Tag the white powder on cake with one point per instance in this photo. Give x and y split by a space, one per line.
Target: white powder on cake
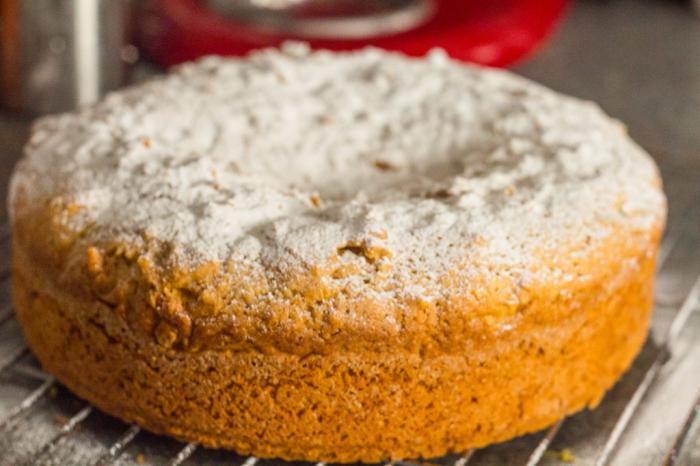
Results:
279 159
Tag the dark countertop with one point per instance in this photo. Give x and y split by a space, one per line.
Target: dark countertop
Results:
640 60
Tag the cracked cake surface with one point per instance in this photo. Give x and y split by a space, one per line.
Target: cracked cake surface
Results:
288 157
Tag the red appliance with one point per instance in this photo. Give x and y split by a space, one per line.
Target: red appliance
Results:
493 33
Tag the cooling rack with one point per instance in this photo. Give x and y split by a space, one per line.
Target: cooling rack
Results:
651 417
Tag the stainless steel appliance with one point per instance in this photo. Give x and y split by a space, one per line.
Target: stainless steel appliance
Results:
58 54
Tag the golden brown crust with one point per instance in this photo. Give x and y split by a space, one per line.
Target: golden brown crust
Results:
148 344
302 311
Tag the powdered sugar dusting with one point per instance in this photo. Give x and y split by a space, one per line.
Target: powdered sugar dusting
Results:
287 157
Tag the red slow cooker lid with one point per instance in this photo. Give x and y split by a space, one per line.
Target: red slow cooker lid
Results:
493 33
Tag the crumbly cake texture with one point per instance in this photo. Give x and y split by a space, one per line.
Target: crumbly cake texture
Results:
336 256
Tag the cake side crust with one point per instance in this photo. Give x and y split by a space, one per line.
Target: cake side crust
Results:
346 405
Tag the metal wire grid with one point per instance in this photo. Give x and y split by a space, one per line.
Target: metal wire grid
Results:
44 424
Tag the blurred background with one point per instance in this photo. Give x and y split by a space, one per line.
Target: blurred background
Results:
639 59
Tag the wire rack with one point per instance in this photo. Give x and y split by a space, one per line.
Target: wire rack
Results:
651 417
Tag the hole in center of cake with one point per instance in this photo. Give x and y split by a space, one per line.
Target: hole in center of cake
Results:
374 177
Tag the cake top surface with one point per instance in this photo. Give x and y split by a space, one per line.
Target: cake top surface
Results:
291 158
